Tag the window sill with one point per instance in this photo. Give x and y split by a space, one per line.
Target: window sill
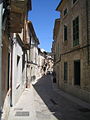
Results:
64 16
76 47
65 42
65 82
77 86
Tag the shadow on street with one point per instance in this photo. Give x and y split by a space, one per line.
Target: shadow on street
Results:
62 108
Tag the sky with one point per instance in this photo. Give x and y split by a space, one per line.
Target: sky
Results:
43 15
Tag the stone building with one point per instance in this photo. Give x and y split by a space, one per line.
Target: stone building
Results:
45 62
33 54
71 47
41 62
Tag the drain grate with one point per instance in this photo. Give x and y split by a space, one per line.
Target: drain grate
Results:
84 110
18 108
23 113
53 101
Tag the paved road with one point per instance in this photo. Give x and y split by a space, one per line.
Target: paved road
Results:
61 107
43 101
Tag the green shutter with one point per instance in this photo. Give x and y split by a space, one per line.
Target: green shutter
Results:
76 31
65 32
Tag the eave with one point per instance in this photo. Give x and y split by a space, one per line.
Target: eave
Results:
16 22
61 4
18 11
22 44
31 28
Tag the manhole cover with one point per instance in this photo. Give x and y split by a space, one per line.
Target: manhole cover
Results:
23 113
84 110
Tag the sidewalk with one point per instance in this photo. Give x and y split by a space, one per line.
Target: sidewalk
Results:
31 107
24 109
71 97
44 101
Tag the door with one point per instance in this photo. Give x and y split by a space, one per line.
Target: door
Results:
77 72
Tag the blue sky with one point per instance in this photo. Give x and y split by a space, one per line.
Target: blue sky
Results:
43 15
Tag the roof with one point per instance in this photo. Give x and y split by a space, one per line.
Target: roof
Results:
30 25
59 5
29 4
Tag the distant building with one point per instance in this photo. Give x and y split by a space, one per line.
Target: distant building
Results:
33 54
41 62
71 48
45 62
49 59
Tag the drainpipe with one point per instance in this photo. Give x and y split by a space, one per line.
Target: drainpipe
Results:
87 33
26 69
11 71
1 13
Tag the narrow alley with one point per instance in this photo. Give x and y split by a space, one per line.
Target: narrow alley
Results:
44 101
44 59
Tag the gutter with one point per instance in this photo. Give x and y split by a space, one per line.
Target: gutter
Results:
11 77
59 5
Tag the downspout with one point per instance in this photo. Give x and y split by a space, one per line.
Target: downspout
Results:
30 56
26 69
28 63
11 61
11 71
87 33
1 13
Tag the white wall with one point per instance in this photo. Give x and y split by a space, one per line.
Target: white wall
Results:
18 75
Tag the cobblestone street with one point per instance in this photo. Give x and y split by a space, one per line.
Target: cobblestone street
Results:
44 101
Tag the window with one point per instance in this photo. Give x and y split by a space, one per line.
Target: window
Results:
74 1
18 59
23 61
76 31
65 71
65 11
65 32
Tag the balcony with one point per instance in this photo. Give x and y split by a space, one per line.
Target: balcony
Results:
19 9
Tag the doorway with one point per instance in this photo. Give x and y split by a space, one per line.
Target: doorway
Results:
77 72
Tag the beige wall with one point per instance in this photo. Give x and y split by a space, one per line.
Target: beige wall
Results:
74 53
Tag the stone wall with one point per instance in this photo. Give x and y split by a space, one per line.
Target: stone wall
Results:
69 53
